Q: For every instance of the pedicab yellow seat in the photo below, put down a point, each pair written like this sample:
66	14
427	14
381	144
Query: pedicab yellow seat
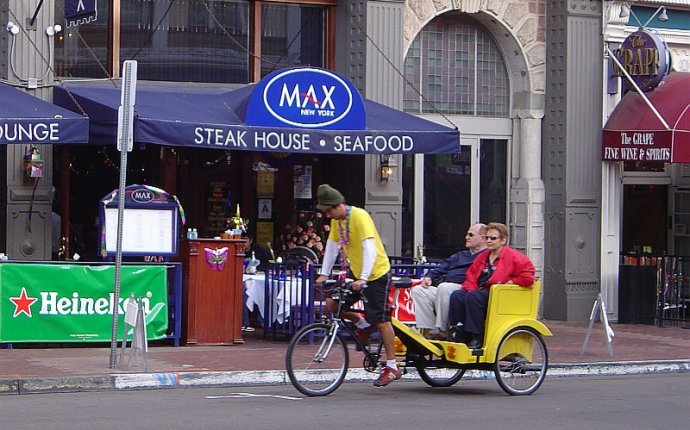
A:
510	306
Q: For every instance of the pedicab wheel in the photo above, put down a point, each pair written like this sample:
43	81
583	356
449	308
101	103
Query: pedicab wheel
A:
435	376
521	362
316	362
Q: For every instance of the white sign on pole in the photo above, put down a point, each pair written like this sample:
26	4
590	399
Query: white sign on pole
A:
125	113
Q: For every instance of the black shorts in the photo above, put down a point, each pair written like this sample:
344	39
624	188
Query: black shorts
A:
377	306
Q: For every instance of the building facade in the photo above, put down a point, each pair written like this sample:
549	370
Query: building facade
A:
512	76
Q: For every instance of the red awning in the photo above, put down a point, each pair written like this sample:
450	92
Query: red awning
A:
634	133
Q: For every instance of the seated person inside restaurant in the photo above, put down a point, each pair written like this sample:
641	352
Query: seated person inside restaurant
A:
431	297
261	253
500	265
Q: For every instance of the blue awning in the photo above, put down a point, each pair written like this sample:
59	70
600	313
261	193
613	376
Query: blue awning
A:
215	116
25	119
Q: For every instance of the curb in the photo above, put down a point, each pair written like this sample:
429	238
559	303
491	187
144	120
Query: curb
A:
171	380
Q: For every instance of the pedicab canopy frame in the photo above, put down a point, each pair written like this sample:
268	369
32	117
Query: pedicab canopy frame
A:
299	110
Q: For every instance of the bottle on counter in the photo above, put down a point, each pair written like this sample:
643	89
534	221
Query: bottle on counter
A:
253	264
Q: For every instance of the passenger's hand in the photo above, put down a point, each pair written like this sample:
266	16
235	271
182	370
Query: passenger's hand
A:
426	282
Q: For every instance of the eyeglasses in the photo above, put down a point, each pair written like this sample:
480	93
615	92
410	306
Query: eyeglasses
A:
492	237
470	234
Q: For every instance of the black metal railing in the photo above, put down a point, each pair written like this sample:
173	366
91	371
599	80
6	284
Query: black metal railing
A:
291	300
654	289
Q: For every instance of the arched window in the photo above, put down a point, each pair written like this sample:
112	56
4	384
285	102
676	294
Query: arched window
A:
456	65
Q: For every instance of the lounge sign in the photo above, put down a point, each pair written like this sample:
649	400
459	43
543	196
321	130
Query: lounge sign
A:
74	303
26	131
645	57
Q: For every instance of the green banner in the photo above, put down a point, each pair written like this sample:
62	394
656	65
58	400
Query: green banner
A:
74	303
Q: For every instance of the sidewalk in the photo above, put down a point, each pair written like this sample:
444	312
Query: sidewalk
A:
259	361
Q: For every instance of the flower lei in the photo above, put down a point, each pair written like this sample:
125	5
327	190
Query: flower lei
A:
344	240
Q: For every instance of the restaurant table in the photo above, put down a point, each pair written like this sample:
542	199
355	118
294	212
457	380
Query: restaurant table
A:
284	293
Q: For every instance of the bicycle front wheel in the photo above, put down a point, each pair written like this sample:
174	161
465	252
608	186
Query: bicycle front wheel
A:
317	360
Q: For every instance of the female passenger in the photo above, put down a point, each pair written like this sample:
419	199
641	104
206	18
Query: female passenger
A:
500	265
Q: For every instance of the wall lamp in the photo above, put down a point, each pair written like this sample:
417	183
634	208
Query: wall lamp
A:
12	28
385	167
626	11
52	30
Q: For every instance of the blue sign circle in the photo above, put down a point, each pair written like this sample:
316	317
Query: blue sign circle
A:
307	98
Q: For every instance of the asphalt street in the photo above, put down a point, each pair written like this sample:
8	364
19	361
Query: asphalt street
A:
610	402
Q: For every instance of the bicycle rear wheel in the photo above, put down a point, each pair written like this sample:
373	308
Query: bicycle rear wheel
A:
521	362
316	360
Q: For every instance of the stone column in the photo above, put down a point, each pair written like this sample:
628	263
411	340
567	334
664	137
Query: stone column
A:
29	201
527	195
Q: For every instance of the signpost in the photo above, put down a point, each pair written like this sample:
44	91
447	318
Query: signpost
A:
124	144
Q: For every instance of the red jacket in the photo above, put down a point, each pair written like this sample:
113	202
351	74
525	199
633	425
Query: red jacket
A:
510	265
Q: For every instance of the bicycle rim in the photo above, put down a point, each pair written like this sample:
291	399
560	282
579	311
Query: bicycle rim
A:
316	360
439	376
521	362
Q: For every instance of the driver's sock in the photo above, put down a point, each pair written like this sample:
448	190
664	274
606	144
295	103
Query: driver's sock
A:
362	323
392	364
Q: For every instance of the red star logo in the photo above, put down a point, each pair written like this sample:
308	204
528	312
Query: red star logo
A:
22	303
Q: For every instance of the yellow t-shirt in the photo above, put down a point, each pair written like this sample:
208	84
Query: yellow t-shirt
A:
361	227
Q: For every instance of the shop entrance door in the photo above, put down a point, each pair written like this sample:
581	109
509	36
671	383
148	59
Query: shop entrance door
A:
645	218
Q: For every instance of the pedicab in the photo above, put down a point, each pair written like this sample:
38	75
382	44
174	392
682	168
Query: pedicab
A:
513	350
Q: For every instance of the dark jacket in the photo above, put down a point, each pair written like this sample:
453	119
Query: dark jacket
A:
453	268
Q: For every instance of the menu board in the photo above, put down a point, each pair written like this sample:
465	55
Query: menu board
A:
217	208
145	231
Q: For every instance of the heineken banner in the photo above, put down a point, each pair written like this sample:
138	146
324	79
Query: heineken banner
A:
74	303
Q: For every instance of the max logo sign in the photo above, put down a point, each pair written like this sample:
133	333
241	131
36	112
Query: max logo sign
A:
306	98
142	196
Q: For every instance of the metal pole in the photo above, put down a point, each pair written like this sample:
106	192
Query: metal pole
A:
637	88
124	145
118	255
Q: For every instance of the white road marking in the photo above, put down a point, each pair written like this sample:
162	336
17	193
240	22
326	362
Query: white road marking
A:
240	395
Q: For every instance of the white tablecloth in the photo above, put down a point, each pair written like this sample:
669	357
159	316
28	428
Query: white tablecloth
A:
285	294
254	285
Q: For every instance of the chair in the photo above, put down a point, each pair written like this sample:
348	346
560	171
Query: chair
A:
300	254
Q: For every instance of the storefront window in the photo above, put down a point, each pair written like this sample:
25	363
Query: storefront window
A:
454	66
447	195
642	166
493	168
291	35
196	40
82	50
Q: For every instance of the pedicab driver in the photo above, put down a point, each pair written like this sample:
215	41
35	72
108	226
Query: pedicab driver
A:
354	234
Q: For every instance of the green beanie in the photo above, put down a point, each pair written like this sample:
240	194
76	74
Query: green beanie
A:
327	197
